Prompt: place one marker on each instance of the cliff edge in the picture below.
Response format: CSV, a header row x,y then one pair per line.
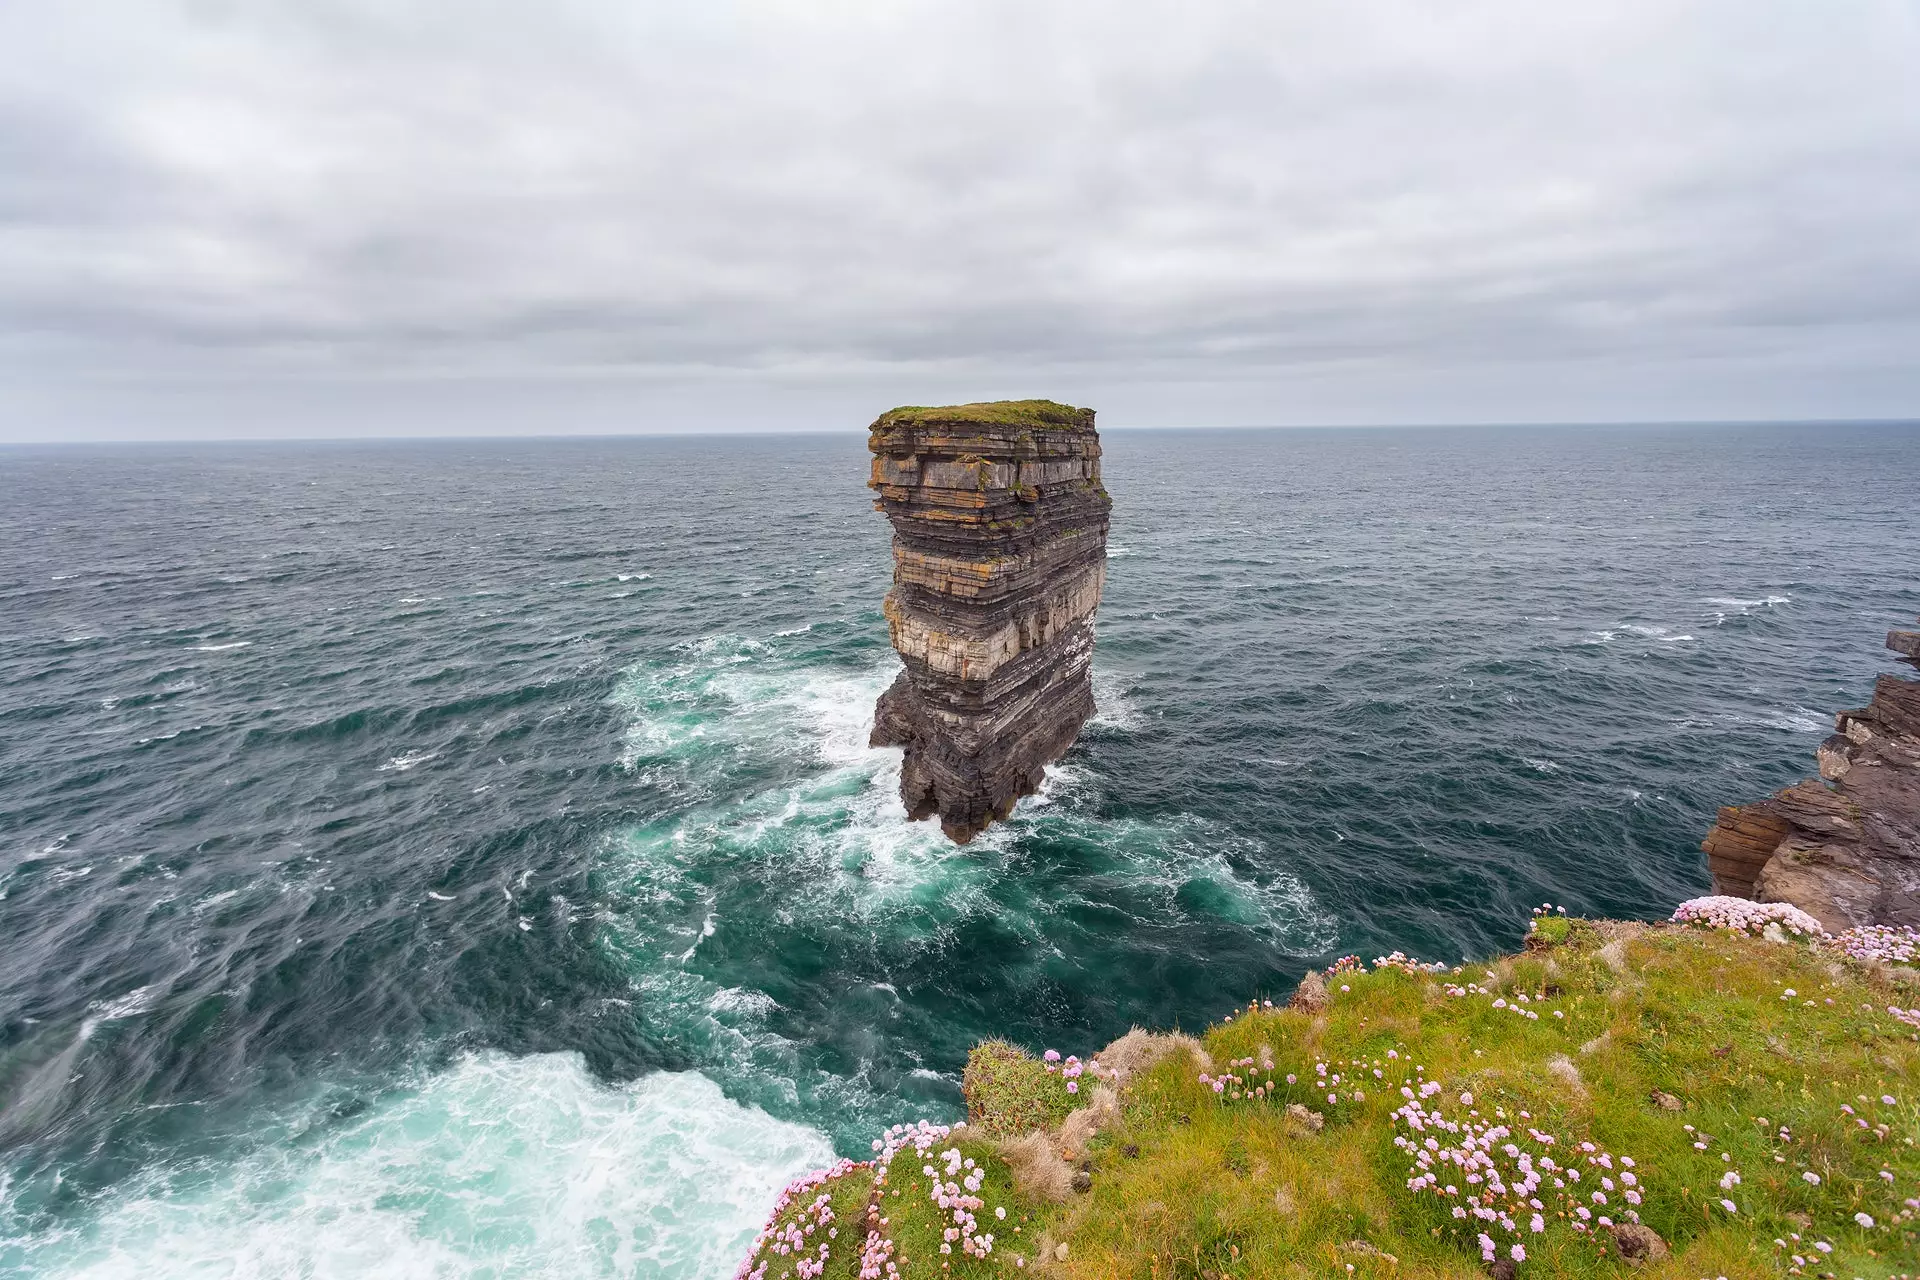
x,y
1848,853
999,557
1664,1101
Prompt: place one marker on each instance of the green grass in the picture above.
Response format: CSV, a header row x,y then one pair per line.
x,y
1014,413
1667,1037
1010,1092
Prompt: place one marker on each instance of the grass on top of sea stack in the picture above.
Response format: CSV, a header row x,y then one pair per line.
x,y
1753,1104
989,412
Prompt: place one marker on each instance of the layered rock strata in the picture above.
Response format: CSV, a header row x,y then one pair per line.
x,y
999,557
1846,851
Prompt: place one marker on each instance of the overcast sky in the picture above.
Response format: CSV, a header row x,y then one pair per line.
x,y
260,218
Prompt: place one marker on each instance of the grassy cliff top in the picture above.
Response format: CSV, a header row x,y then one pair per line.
x,y
1010,413
1718,1104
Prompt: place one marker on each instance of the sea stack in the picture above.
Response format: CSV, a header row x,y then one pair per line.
x,y
1847,853
999,556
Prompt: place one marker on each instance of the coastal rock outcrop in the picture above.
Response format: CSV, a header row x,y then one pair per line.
x,y
999,558
1847,851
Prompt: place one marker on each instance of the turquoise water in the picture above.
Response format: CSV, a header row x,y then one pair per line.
x,y
464,858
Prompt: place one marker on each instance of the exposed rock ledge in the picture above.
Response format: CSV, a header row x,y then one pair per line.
x,y
999,557
1846,853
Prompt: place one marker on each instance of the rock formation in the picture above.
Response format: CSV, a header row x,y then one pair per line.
x,y
999,556
1846,853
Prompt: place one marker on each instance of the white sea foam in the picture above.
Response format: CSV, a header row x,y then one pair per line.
x,y
213,900
136,1001
168,737
1664,634
836,821
498,1165
632,577
1544,766
1799,720
1114,707
769,761
1762,602
1743,608
222,648
741,1000
402,763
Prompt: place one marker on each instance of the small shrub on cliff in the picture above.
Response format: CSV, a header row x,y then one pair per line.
x,y
1010,1092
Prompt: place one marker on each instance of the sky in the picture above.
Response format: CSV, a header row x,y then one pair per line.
x,y
291,218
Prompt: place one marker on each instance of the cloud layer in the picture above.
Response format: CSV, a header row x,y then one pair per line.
x,y
250,217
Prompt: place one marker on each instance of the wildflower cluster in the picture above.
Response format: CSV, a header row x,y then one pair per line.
x,y
1407,964
1070,1070
1886,943
1496,1178
1253,1006
1522,1005
1801,1254
1799,1261
1879,1128
953,1185
876,1256
1548,909
1743,915
1345,965
1730,1177
797,1239
1251,1086
958,1195
1259,1083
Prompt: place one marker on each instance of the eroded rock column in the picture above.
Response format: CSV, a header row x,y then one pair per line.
x,y
999,557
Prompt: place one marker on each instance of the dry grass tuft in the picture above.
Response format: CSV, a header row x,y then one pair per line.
x,y
1562,1069
1038,1173
1311,995
1077,1130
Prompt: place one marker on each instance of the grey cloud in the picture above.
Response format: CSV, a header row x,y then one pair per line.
x,y
1385,210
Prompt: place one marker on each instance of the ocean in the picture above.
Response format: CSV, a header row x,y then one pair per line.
x,y
464,858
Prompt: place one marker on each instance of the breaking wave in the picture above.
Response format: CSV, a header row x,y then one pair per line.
x,y
786,841
493,1165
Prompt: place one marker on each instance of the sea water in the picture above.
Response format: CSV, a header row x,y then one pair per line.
x,y
465,858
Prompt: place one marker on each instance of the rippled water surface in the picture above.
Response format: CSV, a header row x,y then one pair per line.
x,y
465,858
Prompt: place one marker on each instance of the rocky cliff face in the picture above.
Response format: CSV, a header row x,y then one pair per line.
x,y
999,556
1847,853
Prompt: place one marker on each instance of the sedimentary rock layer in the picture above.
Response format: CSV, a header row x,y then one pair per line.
x,y
1848,851
999,556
